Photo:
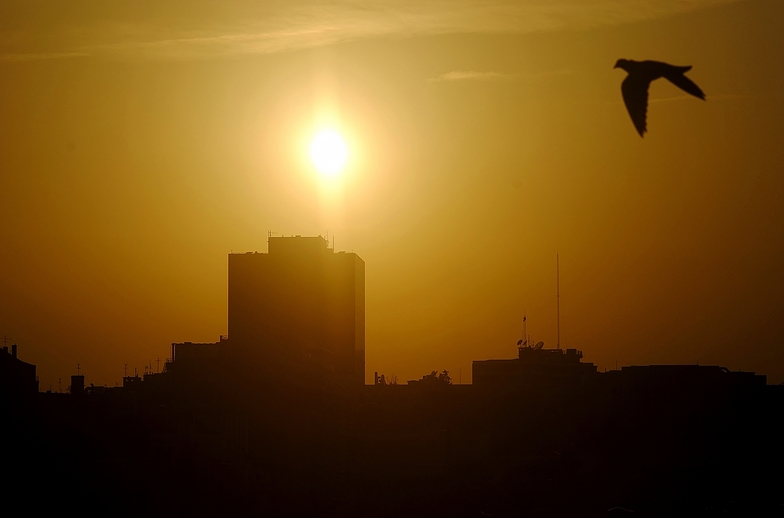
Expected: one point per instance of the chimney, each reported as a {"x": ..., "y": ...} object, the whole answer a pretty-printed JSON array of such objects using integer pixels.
[{"x": 13, "y": 350}]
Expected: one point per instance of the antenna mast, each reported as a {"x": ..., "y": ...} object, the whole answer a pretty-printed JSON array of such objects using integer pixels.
[
  {"x": 525, "y": 331},
  {"x": 558, "y": 299}
]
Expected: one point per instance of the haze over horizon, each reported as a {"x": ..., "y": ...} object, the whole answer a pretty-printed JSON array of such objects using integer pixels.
[{"x": 142, "y": 143}]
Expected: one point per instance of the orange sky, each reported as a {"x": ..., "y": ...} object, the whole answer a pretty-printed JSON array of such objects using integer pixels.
[{"x": 139, "y": 145}]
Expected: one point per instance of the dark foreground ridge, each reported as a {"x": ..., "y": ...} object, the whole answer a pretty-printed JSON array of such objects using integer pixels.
[{"x": 274, "y": 420}]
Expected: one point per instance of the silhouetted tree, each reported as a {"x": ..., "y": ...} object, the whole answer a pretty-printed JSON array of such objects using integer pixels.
[
  {"x": 382, "y": 380},
  {"x": 434, "y": 378}
]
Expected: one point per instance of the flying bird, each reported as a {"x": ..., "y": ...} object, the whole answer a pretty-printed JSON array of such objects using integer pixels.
[{"x": 635, "y": 87}]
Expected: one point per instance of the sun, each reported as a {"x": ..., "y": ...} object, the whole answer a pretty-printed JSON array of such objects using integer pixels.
[{"x": 328, "y": 152}]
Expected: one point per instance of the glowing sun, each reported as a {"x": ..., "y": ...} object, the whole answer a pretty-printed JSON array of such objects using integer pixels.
[{"x": 328, "y": 152}]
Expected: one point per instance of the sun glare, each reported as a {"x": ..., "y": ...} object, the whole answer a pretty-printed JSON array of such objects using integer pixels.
[{"x": 328, "y": 152}]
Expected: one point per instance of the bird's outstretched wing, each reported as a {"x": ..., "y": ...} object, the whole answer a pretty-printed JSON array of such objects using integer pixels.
[
  {"x": 685, "y": 84},
  {"x": 635, "y": 96}
]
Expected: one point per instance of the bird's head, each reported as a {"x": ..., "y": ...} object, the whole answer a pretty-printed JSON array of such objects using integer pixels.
[{"x": 622, "y": 63}]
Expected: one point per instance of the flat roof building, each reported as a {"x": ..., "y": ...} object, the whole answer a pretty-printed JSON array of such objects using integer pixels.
[
  {"x": 534, "y": 368},
  {"x": 17, "y": 378},
  {"x": 299, "y": 311}
]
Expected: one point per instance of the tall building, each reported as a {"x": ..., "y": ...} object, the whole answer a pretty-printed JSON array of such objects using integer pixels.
[{"x": 299, "y": 311}]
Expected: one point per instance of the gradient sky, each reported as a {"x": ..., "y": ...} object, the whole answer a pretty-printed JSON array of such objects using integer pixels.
[{"x": 141, "y": 143}]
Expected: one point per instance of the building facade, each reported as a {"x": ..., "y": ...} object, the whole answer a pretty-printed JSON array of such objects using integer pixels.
[
  {"x": 298, "y": 311},
  {"x": 534, "y": 368},
  {"x": 17, "y": 378}
]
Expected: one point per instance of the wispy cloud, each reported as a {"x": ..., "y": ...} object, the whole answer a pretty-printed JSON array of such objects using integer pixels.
[
  {"x": 465, "y": 75},
  {"x": 202, "y": 29},
  {"x": 671, "y": 99},
  {"x": 460, "y": 75},
  {"x": 41, "y": 56},
  {"x": 719, "y": 97}
]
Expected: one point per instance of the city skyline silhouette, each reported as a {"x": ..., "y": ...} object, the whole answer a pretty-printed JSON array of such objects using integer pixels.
[
  {"x": 289, "y": 258},
  {"x": 276, "y": 419},
  {"x": 131, "y": 170}
]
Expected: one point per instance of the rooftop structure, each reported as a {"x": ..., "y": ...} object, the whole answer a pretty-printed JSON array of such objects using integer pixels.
[{"x": 534, "y": 367}]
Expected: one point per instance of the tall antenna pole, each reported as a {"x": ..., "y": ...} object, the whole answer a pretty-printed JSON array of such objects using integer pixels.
[
  {"x": 525, "y": 330},
  {"x": 558, "y": 299}
]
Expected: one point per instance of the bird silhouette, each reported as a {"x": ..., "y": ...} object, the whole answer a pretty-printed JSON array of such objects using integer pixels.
[{"x": 635, "y": 87}]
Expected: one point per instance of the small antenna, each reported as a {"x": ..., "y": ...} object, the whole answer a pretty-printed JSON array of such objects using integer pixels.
[
  {"x": 525, "y": 330},
  {"x": 78, "y": 369},
  {"x": 558, "y": 300}
]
